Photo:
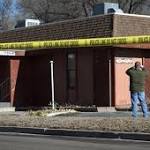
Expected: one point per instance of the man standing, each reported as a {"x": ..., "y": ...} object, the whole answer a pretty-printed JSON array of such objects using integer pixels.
[{"x": 137, "y": 76}]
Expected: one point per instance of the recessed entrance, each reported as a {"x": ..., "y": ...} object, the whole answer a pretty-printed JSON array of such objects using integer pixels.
[{"x": 4, "y": 79}]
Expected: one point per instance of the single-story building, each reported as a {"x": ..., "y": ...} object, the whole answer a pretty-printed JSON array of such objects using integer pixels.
[{"x": 83, "y": 75}]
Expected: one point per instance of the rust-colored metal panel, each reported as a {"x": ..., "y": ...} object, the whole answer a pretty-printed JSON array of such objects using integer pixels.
[
  {"x": 14, "y": 67},
  {"x": 21, "y": 76},
  {"x": 147, "y": 85},
  {"x": 124, "y": 59}
]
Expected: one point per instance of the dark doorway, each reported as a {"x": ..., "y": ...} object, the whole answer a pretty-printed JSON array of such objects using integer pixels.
[
  {"x": 33, "y": 85},
  {"x": 101, "y": 77},
  {"x": 4, "y": 79}
]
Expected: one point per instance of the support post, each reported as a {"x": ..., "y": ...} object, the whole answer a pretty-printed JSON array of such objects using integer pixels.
[{"x": 52, "y": 84}]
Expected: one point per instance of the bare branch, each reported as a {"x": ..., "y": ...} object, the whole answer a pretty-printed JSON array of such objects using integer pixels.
[
  {"x": 47, "y": 10},
  {"x": 5, "y": 12}
]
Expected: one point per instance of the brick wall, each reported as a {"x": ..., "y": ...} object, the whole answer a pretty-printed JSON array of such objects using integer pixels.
[
  {"x": 98, "y": 26},
  {"x": 129, "y": 25}
]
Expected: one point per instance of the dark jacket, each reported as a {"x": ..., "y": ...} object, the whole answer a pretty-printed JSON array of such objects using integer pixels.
[{"x": 137, "y": 79}]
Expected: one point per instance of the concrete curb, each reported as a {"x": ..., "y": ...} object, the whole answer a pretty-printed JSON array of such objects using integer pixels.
[{"x": 79, "y": 133}]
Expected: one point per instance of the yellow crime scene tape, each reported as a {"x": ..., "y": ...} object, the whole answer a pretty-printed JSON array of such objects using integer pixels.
[{"x": 72, "y": 43}]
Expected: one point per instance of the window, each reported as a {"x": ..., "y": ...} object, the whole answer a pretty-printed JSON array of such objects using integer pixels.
[{"x": 71, "y": 69}]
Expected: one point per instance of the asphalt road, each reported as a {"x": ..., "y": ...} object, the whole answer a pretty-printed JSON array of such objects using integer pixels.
[{"x": 27, "y": 142}]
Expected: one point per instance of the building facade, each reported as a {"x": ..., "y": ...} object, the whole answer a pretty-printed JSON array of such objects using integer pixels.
[{"x": 82, "y": 76}]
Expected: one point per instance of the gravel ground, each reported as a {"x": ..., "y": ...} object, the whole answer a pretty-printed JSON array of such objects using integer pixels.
[{"x": 123, "y": 124}]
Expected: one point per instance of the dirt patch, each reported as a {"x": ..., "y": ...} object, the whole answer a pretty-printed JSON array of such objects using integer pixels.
[{"x": 123, "y": 124}]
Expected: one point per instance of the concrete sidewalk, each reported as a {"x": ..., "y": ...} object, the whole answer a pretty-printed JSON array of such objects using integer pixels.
[
  {"x": 77, "y": 114},
  {"x": 103, "y": 114}
]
